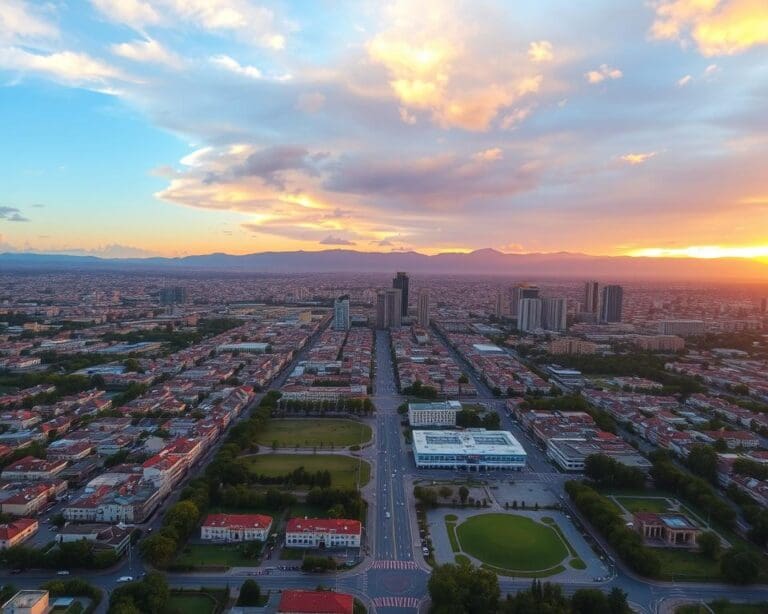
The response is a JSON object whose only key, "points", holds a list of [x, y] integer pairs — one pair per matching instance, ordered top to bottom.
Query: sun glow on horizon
{"points": [[754, 252]]}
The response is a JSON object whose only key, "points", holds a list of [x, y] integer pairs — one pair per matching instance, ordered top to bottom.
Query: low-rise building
{"points": [[435, 414], [473, 450], [30, 468], [236, 527], [666, 529], [17, 531], [323, 533], [110, 537], [27, 602], [315, 602]]}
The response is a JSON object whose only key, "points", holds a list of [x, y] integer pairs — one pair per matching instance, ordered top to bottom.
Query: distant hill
{"points": [[484, 261]]}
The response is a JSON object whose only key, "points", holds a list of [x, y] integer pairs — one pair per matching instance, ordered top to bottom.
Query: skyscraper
{"points": [[401, 282], [520, 292], [173, 295], [591, 297], [502, 303], [393, 304], [611, 304], [423, 308], [381, 309], [341, 313], [529, 314], [554, 314]]}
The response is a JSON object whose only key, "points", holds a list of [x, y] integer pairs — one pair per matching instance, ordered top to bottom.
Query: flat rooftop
{"points": [[486, 348], [435, 405], [473, 442]]}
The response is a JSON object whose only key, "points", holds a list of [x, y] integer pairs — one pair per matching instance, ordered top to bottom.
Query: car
{"points": [[388, 515], [15, 571], [63, 572], [122, 579]]}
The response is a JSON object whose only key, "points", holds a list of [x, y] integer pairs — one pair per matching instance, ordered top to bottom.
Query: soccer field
{"points": [[321, 433], [511, 542]]}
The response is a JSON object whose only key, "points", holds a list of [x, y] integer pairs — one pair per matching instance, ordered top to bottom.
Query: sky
{"points": [[175, 127]]}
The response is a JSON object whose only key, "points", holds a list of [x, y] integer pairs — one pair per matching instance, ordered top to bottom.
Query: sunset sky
{"points": [[173, 127]]}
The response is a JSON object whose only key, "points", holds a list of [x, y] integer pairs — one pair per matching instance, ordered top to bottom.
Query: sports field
{"points": [[320, 433], [343, 469], [644, 504], [511, 542]]}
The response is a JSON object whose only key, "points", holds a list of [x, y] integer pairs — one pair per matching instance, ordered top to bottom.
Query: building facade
{"points": [[402, 282], [612, 303], [423, 308], [436, 414], [471, 450], [236, 527], [323, 533]]}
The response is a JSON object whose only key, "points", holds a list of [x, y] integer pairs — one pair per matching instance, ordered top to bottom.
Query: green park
{"points": [[293, 433], [345, 471]]}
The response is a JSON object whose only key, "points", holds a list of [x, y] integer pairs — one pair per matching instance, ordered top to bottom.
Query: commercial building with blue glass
{"points": [[470, 450]]}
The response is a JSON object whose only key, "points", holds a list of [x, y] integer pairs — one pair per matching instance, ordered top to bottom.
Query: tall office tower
{"points": [[400, 282], [520, 292], [173, 295], [591, 297], [502, 304], [764, 305], [394, 307], [610, 307], [423, 308], [381, 309], [554, 312], [341, 313], [529, 314]]}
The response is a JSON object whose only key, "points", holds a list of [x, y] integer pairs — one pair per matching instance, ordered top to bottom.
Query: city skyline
{"points": [[171, 128]]}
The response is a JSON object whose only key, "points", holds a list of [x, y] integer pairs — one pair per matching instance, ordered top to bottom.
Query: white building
{"points": [[341, 313], [529, 314], [554, 314], [682, 328], [439, 413], [473, 450], [236, 527], [323, 533]]}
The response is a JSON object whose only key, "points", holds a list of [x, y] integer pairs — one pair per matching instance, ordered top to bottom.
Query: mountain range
{"points": [[479, 262]]}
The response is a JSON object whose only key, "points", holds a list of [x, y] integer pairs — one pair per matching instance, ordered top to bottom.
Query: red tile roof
{"points": [[238, 521], [341, 526], [12, 529], [316, 602]]}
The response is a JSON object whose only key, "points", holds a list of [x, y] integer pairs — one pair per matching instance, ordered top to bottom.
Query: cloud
{"points": [[20, 23], [255, 24], [715, 27], [148, 51], [541, 51], [435, 62], [232, 65], [68, 67], [603, 73], [682, 82], [310, 102], [513, 119], [489, 155], [637, 158], [270, 163], [12, 214], [333, 240]]}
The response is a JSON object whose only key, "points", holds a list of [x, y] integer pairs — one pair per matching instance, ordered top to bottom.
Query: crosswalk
{"points": [[394, 565], [396, 602]]}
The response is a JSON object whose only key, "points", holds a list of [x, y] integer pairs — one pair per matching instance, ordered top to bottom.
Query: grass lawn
{"points": [[310, 433], [343, 469], [644, 504], [450, 527], [511, 542], [291, 554], [214, 555], [578, 564], [685, 565], [191, 604], [723, 607]]}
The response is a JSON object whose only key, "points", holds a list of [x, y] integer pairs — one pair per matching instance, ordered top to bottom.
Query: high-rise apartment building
{"points": [[401, 282], [520, 292], [591, 297], [611, 303], [502, 304], [388, 308], [423, 308], [341, 313], [529, 314], [554, 314]]}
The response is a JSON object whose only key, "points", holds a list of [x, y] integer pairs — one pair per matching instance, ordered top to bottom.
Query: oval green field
{"points": [[511, 542]]}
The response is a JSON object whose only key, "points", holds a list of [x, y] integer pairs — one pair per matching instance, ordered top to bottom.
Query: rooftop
{"points": [[474, 441]]}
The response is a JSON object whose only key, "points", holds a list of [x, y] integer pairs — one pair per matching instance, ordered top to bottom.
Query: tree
{"points": [[463, 379], [702, 460], [445, 492], [463, 494], [183, 516], [709, 543], [158, 550], [740, 566], [463, 588], [250, 594], [589, 601], [617, 602]]}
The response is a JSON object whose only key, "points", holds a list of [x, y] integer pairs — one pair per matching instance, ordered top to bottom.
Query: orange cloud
{"points": [[717, 27], [603, 73], [637, 158]]}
